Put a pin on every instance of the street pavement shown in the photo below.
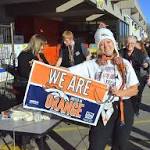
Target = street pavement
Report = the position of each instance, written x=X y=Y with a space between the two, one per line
x=140 y=136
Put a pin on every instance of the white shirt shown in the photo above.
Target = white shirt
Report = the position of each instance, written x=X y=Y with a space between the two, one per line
x=109 y=75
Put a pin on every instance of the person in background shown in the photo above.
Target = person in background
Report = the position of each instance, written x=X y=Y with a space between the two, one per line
x=34 y=51
x=106 y=69
x=138 y=60
x=72 y=51
x=147 y=47
x=25 y=60
x=31 y=53
x=102 y=25
x=144 y=71
x=141 y=46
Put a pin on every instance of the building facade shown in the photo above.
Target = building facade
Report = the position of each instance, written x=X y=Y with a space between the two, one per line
x=51 y=18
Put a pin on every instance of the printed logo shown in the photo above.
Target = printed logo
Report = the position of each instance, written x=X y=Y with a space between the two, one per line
x=89 y=115
x=31 y=101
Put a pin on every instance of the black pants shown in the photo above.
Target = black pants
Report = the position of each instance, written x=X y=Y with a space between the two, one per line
x=136 y=100
x=119 y=135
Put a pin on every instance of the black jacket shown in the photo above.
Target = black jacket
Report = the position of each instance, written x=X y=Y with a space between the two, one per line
x=77 y=55
x=24 y=66
x=137 y=58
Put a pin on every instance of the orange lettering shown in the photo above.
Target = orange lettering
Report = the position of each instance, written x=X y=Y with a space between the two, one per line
x=48 y=102
x=55 y=103
x=76 y=109
x=79 y=110
x=73 y=110
x=51 y=102
x=61 y=105
x=68 y=106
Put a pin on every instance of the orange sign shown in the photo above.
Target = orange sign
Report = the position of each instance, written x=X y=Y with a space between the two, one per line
x=50 y=76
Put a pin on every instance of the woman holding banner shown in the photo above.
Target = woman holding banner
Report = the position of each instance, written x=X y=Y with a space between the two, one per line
x=117 y=114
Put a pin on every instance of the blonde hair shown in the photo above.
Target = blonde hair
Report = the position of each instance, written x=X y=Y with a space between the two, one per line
x=67 y=34
x=36 y=42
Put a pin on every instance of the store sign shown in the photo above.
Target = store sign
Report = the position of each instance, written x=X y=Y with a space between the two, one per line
x=100 y=4
x=58 y=91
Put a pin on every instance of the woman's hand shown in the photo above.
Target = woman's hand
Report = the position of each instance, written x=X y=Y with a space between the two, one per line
x=145 y=65
x=31 y=62
x=129 y=92
x=116 y=92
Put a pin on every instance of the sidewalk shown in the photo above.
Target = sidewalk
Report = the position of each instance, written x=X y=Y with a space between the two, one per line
x=140 y=136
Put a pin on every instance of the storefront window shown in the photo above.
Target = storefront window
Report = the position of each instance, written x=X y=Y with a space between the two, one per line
x=123 y=32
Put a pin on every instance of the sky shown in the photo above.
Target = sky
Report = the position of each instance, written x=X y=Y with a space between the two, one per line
x=145 y=8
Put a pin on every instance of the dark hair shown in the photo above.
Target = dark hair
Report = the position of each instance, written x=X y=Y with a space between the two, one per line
x=142 y=47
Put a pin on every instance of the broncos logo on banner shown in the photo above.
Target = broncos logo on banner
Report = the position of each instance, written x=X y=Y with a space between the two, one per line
x=57 y=93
